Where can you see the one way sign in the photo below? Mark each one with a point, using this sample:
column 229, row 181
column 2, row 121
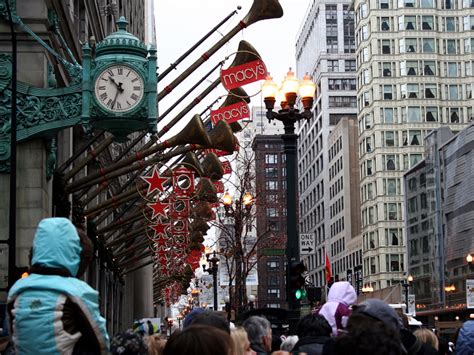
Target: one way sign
column 307, row 243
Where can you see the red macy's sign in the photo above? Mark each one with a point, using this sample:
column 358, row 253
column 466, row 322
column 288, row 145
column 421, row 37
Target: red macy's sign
column 231, row 113
column 240, row 75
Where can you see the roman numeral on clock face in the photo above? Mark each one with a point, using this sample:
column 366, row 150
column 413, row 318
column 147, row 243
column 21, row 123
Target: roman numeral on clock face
column 134, row 97
column 103, row 96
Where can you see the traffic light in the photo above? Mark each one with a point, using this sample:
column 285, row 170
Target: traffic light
column 296, row 283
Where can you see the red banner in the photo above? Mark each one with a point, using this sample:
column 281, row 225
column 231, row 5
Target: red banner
column 240, row 75
column 219, row 186
column 226, row 166
column 231, row 113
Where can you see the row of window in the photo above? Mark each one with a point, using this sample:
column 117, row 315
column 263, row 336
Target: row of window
column 337, row 227
column 429, row 113
column 391, row 237
column 392, row 211
column 336, row 187
column 394, row 115
column 272, row 158
column 335, row 148
column 424, row 23
column 393, row 263
column 272, row 185
column 390, row 187
column 349, row 65
column 363, row 9
column 389, row 162
column 341, row 84
column 422, row 45
column 452, row 69
column 338, row 246
column 336, row 207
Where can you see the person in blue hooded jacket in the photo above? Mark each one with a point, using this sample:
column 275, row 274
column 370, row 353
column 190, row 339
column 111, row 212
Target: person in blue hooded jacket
column 465, row 340
column 51, row 311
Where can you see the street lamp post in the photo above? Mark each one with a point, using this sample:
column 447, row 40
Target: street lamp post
column 406, row 285
column 289, row 115
column 214, row 266
column 238, row 214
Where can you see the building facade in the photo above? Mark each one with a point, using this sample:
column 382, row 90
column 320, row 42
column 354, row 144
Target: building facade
column 440, row 218
column 64, row 27
column 414, row 74
column 345, row 244
column 325, row 49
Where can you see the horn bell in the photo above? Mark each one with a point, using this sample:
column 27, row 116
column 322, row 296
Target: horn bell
column 191, row 161
column 222, row 137
column 245, row 53
column 206, row 191
column 212, row 167
column 263, row 10
column 193, row 133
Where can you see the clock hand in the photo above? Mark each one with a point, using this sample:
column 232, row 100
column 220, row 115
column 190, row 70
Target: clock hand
column 119, row 91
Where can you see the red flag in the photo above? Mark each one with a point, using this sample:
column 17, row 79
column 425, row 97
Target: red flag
column 328, row 269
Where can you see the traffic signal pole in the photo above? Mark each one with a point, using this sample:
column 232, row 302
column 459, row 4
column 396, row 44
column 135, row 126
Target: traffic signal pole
column 292, row 251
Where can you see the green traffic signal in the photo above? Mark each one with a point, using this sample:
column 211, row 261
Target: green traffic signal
column 300, row 293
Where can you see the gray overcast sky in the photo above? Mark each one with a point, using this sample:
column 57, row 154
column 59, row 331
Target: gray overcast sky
column 180, row 24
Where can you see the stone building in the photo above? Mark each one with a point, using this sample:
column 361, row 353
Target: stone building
column 50, row 34
column 414, row 74
column 325, row 49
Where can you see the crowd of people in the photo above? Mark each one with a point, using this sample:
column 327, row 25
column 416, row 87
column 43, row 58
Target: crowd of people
column 53, row 312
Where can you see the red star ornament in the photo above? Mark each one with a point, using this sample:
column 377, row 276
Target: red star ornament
column 154, row 181
column 158, row 209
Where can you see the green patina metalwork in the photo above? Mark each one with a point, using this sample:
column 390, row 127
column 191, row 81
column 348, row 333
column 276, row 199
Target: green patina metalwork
column 42, row 112
column 120, row 47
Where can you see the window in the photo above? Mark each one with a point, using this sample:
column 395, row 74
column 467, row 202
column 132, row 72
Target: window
column 407, row 23
column 389, row 138
column 271, row 172
column 468, row 23
column 427, row 4
column 393, row 262
column 409, row 91
column 385, row 24
column 384, row 4
column 273, row 265
column 451, row 46
column 409, row 67
column 333, row 65
column 431, row 91
column 391, row 211
column 387, row 92
column 272, row 212
column 428, row 45
column 387, row 115
column 469, row 45
column 431, row 114
column 271, row 185
column 391, row 187
column 331, row 44
column 386, row 69
column 450, row 24
column 412, row 137
column 273, row 292
column 386, row 46
column 408, row 45
column 271, row 158
column 273, row 280
column 429, row 67
column 390, row 162
column 414, row 114
column 454, row 115
column 414, row 159
column 350, row 65
column 427, row 23
column 453, row 92
column 392, row 237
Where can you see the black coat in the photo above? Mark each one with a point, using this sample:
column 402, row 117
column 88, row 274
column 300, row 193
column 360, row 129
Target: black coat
column 313, row 345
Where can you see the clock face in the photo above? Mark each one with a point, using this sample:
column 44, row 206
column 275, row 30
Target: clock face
column 119, row 88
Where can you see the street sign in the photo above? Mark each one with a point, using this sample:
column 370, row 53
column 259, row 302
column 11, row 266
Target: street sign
column 307, row 243
column 470, row 293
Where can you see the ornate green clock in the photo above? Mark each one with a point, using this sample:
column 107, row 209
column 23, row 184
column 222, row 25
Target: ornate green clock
column 119, row 85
